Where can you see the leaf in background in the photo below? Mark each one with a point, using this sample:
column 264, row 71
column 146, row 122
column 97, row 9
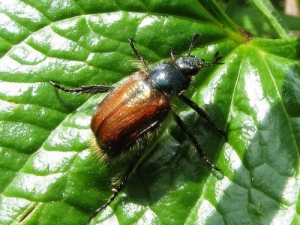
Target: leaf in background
column 49, row 174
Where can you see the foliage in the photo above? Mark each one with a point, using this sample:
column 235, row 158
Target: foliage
column 50, row 175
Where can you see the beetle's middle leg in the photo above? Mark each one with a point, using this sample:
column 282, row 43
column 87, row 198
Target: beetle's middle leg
column 201, row 113
column 194, row 141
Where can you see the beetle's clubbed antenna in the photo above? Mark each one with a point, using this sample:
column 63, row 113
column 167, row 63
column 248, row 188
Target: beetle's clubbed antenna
column 194, row 40
column 216, row 59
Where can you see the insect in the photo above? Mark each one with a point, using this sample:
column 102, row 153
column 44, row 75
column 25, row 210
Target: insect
column 134, row 109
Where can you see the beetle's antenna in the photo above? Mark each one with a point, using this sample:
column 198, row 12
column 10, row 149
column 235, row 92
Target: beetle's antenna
column 194, row 40
column 216, row 59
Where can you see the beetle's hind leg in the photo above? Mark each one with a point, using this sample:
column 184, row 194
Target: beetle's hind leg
column 92, row 89
column 117, row 190
column 194, row 141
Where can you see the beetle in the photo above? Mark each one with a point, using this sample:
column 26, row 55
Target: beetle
column 133, row 110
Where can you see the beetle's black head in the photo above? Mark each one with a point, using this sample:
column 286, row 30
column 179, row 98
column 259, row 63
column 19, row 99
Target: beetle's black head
column 189, row 65
column 173, row 77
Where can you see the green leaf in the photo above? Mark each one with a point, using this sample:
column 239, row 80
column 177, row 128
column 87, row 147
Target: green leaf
column 269, row 11
column 50, row 173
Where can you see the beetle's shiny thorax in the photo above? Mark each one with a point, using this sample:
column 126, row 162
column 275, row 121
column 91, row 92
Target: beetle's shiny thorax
column 173, row 77
column 168, row 78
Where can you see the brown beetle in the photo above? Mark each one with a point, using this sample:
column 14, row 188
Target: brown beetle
column 140, row 104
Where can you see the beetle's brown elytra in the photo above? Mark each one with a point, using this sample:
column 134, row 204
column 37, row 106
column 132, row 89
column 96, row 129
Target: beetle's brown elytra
column 135, row 108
